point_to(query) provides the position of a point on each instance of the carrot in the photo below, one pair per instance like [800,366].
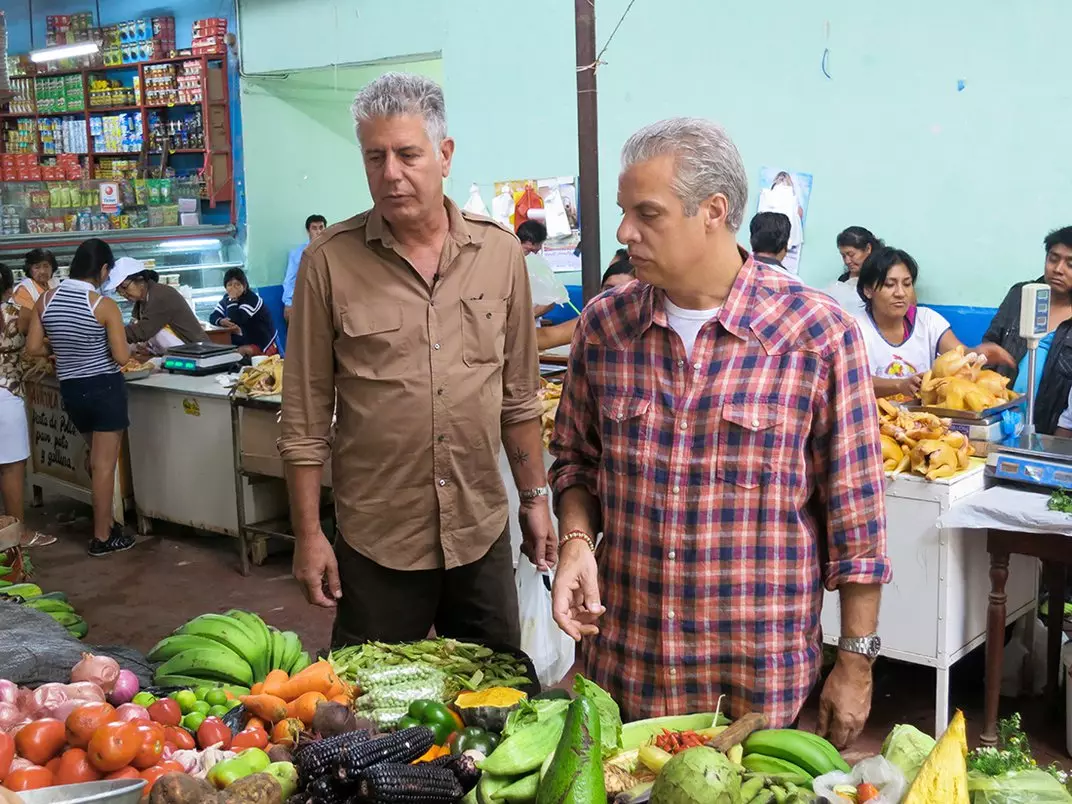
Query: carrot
[337,688]
[273,683]
[304,706]
[257,688]
[267,707]
[286,732]
[317,677]
[343,699]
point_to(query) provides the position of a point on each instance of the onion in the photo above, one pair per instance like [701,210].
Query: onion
[45,700]
[85,691]
[18,763]
[101,670]
[129,711]
[126,687]
[64,709]
[9,692]
[9,716]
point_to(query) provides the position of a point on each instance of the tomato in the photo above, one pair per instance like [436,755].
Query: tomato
[32,778]
[53,765]
[124,773]
[256,723]
[85,720]
[7,753]
[41,740]
[179,737]
[152,744]
[114,745]
[213,731]
[866,792]
[166,711]
[171,766]
[250,738]
[74,767]
[150,775]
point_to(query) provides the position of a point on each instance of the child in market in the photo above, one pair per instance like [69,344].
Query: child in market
[244,313]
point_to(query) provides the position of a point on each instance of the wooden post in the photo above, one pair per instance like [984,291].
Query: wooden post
[588,145]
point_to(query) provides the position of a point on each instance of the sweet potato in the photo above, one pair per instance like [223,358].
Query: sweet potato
[260,788]
[179,788]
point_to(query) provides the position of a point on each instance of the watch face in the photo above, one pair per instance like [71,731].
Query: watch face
[874,645]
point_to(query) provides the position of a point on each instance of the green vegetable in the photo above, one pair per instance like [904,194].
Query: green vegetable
[524,750]
[642,732]
[907,747]
[610,716]
[434,715]
[698,776]
[523,791]
[1060,501]
[226,773]
[529,712]
[475,738]
[576,772]
[1012,754]
[287,775]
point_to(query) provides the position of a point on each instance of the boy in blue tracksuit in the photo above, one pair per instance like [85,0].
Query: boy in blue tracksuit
[243,312]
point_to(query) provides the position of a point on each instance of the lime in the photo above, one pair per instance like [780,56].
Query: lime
[145,699]
[186,700]
[202,707]
[202,692]
[232,704]
[215,697]
[218,711]
[192,722]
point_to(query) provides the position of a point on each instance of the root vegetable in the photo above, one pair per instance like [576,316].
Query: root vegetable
[333,718]
[9,692]
[101,670]
[129,711]
[85,691]
[126,687]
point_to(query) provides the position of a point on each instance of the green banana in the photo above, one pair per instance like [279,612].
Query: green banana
[229,632]
[256,626]
[279,647]
[48,606]
[65,618]
[4,584]
[292,649]
[761,763]
[792,745]
[53,596]
[79,629]
[219,664]
[175,644]
[828,748]
[303,661]
[6,571]
[182,681]
[23,590]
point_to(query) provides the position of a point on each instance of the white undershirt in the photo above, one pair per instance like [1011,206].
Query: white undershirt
[687,323]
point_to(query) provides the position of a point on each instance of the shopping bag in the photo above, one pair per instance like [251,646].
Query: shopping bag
[1022,787]
[550,648]
[877,770]
[546,287]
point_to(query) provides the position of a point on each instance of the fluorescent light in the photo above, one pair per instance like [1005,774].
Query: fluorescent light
[64,52]
[192,243]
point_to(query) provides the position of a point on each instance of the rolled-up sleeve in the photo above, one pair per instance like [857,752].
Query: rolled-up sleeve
[309,368]
[576,444]
[521,366]
[850,478]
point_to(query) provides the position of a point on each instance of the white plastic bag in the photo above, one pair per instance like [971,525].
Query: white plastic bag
[546,287]
[878,771]
[475,204]
[550,648]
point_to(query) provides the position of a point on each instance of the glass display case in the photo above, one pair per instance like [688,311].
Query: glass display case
[192,258]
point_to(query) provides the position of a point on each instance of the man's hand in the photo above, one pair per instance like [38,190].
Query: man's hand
[538,538]
[845,702]
[575,594]
[317,570]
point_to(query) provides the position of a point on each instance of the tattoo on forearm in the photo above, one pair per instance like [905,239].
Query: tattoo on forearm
[520,456]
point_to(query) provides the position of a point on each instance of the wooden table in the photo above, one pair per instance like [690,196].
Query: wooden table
[1055,549]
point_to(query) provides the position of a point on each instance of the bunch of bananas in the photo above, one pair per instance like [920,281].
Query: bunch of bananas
[920,441]
[781,764]
[265,379]
[54,604]
[233,648]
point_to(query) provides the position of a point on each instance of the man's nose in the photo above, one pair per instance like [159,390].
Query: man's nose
[392,168]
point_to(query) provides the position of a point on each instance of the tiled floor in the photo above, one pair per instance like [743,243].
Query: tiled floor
[139,596]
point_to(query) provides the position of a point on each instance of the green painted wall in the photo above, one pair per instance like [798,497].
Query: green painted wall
[968,181]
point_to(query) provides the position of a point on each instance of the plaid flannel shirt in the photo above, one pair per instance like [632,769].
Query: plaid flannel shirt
[732,486]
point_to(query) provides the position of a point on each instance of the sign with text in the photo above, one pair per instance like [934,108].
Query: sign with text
[109,197]
[57,449]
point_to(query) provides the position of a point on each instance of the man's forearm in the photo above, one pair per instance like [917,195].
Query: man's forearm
[303,487]
[859,608]
[577,509]
[524,448]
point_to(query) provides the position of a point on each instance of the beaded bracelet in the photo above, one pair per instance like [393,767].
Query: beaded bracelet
[577,534]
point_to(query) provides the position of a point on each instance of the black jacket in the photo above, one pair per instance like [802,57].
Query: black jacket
[249,313]
[1056,382]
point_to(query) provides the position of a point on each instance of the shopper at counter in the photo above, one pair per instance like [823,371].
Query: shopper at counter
[417,317]
[162,318]
[769,237]
[855,245]
[314,226]
[1053,380]
[709,577]
[902,339]
[86,335]
[40,267]
[243,313]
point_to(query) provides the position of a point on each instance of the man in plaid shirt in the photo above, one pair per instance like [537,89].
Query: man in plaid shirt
[718,426]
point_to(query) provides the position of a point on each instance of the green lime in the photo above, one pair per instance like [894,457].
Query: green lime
[145,699]
[216,697]
[186,700]
[192,722]
[202,707]
[202,692]
[232,704]
[218,711]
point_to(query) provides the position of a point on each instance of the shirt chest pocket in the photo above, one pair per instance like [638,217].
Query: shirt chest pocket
[627,435]
[483,331]
[373,344]
[752,445]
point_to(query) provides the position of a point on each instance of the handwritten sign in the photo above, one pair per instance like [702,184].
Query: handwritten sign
[57,448]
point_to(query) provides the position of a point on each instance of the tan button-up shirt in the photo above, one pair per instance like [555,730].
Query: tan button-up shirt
[425,378]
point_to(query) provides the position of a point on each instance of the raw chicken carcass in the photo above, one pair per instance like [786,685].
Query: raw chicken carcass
[934,459]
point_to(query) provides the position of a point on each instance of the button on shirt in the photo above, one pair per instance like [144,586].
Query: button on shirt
[729,495]
[426,377]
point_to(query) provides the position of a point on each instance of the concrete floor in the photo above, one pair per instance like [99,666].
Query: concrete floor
[137,597]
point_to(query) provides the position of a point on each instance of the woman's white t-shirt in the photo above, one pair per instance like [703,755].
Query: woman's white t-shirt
[844,293]
[915,355]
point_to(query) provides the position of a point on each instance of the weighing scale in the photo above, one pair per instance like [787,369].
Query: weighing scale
[199,359]
[1038,460]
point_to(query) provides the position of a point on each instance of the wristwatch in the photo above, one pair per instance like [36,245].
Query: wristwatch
[528,495]
[868,646]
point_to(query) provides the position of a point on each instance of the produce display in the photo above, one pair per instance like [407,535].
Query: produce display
[920,442]
[957,381]
[550,395]
[54,604]
[265,379]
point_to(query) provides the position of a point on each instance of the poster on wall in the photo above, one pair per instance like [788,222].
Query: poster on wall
[787,192]
[552,202]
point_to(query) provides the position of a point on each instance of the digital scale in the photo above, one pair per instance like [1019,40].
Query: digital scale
[1038,460]
[199,359]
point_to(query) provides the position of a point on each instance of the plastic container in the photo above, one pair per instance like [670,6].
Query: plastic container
[117,791]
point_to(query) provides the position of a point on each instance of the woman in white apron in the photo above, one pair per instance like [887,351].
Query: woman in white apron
[40,268]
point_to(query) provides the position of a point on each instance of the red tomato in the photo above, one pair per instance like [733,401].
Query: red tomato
[85,720]
[7,753]
[866,792]
[74,767]
[41,740]
[150,775]
[124,773]
[114,745]
[33,778]
[152,744]
[53,765]
[250,738]
[213,731]
[179,737]
[166,711]
[171,766]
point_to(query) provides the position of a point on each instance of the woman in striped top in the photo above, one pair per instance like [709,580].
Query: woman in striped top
[86,336]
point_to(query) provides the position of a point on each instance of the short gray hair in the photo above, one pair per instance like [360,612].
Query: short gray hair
[397,94]
[707,162]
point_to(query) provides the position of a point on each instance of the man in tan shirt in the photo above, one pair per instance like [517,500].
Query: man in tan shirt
[416,318]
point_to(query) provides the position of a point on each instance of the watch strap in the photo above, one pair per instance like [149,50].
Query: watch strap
[528,495]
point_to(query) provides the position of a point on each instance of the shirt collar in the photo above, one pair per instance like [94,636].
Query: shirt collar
[763,258]
[459,229]
[81,284]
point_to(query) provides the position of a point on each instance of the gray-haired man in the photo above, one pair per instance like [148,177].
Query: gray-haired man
[417,318]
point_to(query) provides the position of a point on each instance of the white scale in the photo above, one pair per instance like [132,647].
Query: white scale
[1031,458]
[199,359]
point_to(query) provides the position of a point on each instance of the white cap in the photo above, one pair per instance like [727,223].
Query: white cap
[124,268]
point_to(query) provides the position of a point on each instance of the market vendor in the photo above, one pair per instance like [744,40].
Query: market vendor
[162,318]
[717,426]
[1053,379]
[855,245]
[40,269]
[417,317]
[903,339]
[242,312]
